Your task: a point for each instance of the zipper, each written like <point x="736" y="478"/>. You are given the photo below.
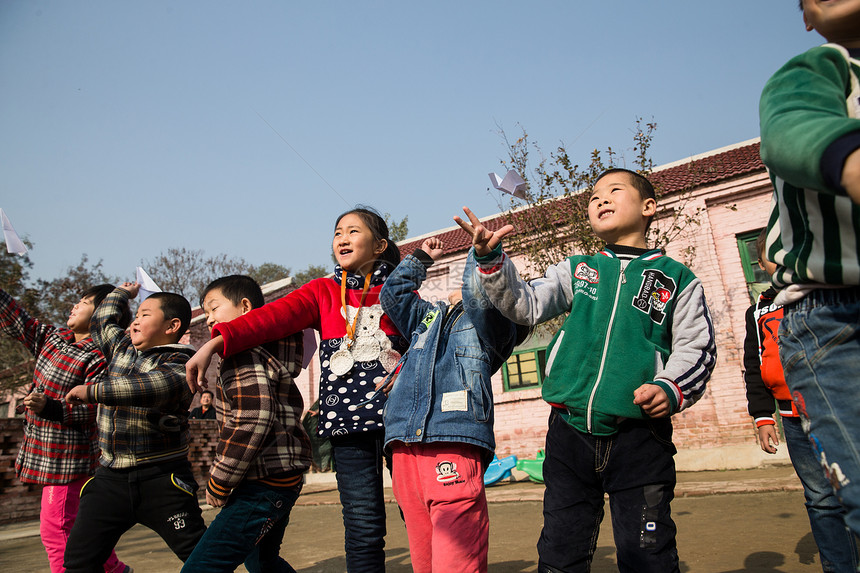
<point x="621" y="281"/>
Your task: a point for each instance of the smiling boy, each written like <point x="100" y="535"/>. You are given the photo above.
<point x="637" y="347"/>
<point x="144" y="474"/>
<point x="263" y="450"/>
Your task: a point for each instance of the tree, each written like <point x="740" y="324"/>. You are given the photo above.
<point x="58" y="296"/>
<point x="309" y="274"/>
<point x="187" y="272"/>
<point x="397" y="231"/>
<point x="268" y="273"/>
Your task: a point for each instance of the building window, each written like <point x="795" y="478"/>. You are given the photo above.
<point x="757" y="280"/>
<point x="524" y="369"/>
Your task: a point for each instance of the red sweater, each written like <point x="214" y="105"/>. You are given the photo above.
<point x="318" y="305"/>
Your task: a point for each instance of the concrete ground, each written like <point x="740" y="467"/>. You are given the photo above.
<point x="728" y="522"/>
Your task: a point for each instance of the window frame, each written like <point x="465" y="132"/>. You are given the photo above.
<point x="539" y="357"/>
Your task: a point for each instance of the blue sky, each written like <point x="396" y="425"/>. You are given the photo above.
<point x="128" y="128"/>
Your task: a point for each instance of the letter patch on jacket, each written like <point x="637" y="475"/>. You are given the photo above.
<point x="585" y="273"/>
<point x="656" y="291"/>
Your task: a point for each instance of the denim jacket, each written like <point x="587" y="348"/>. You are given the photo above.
<point x="443" y="391"/>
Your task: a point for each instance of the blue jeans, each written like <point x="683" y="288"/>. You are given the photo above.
<point x="819" y="347"/>
<point x="826" y="516"/>
<point x="636" y="468"/>
<point x="248" y="529"/>
<point x="358" y="467"/>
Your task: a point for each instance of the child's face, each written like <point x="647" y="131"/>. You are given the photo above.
<point x="355" y="248"/>
<point x="616" y="211"/>
<point x="219" y="308"/>
<point x="149" y="327"/>
<point x="80" y="316"/>
<point x="837" y="20"/>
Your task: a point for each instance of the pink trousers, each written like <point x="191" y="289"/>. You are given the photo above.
<point x="440" y="489"/>
<point x="59" y="508"/>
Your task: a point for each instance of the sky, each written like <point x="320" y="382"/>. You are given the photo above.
<point x="246" y="128"/>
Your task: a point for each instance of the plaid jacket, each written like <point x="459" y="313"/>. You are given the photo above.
<point x="259" y="411"/>
<point x="143" y="403"/>
<point x="62" y="450"/>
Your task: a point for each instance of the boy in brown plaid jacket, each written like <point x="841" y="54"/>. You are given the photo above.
<point x="263" y="449"/>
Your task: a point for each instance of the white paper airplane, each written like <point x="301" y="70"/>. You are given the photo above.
<point x="14" y="244"/>
<point x="512" y="183"/>
<point x="147" y="285"/>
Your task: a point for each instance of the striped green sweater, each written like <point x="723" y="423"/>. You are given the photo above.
<point x="810" y="114"/>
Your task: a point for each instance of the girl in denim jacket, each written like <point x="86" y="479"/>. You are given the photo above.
<point x="439" y="415"/>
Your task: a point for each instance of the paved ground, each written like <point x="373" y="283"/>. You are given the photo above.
<point x="749" y="521"/>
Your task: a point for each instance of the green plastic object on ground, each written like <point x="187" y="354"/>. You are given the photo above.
<point x="533" y="468"/>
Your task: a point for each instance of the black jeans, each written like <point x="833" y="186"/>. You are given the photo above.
<point x="161" y="497"/>
<point x="358" y="467"/>
<point x="636" y="468"/>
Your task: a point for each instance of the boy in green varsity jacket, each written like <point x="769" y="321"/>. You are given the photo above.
<point x="637" y="347"/>
<point x="144" y="474"/>
<point x="263" y="449"/>
<point x="810" y="142"/>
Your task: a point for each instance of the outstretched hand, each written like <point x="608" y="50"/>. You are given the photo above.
<point x="483" y="239"/>
<point x="77" y="395"/>
<point x="433" y="247"/>
<point x="131" y="288"/>
<point x="195" y="368"/>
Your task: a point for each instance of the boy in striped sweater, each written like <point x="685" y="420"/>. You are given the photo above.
<point x="263" y="449"/>
<point x="810" y="142"/>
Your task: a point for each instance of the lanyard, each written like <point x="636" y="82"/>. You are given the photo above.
<point x="350" y="328"/>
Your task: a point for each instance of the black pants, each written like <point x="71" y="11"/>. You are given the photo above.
<point x="636" y="468"/>
<point x="161" y="497"/>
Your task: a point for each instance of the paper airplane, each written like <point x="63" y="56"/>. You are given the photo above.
<point x="147" y="285"/>
<point x="14" y="245"/>
<point x="512" y="183"/>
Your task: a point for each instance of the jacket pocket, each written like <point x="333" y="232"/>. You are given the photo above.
<point x="474" y="376"/>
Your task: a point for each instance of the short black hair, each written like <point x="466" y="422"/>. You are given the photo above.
<point x="639" y="181"/>
<point x="235" y="288"/>
<point x="207" y="392"/>
<point x="99" y="292"/>
<point x="379" y="229"/>
<point x="761" y="244"/>
<point x="174" y="306"/>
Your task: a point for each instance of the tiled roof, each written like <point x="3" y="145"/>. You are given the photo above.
<point x="705" y="169"/>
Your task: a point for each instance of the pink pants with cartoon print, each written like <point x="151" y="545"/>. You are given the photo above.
<point x="59" y="508"/>
<point x="440" y="489"/>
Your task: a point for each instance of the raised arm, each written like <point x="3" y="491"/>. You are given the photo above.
<point x="399" y="297"/>
<point x="104" y="326"/>
<point x="16" y="323"/>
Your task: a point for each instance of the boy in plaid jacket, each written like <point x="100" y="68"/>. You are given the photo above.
<point x="263" y="449"/>
<point x="144" y="474"/>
